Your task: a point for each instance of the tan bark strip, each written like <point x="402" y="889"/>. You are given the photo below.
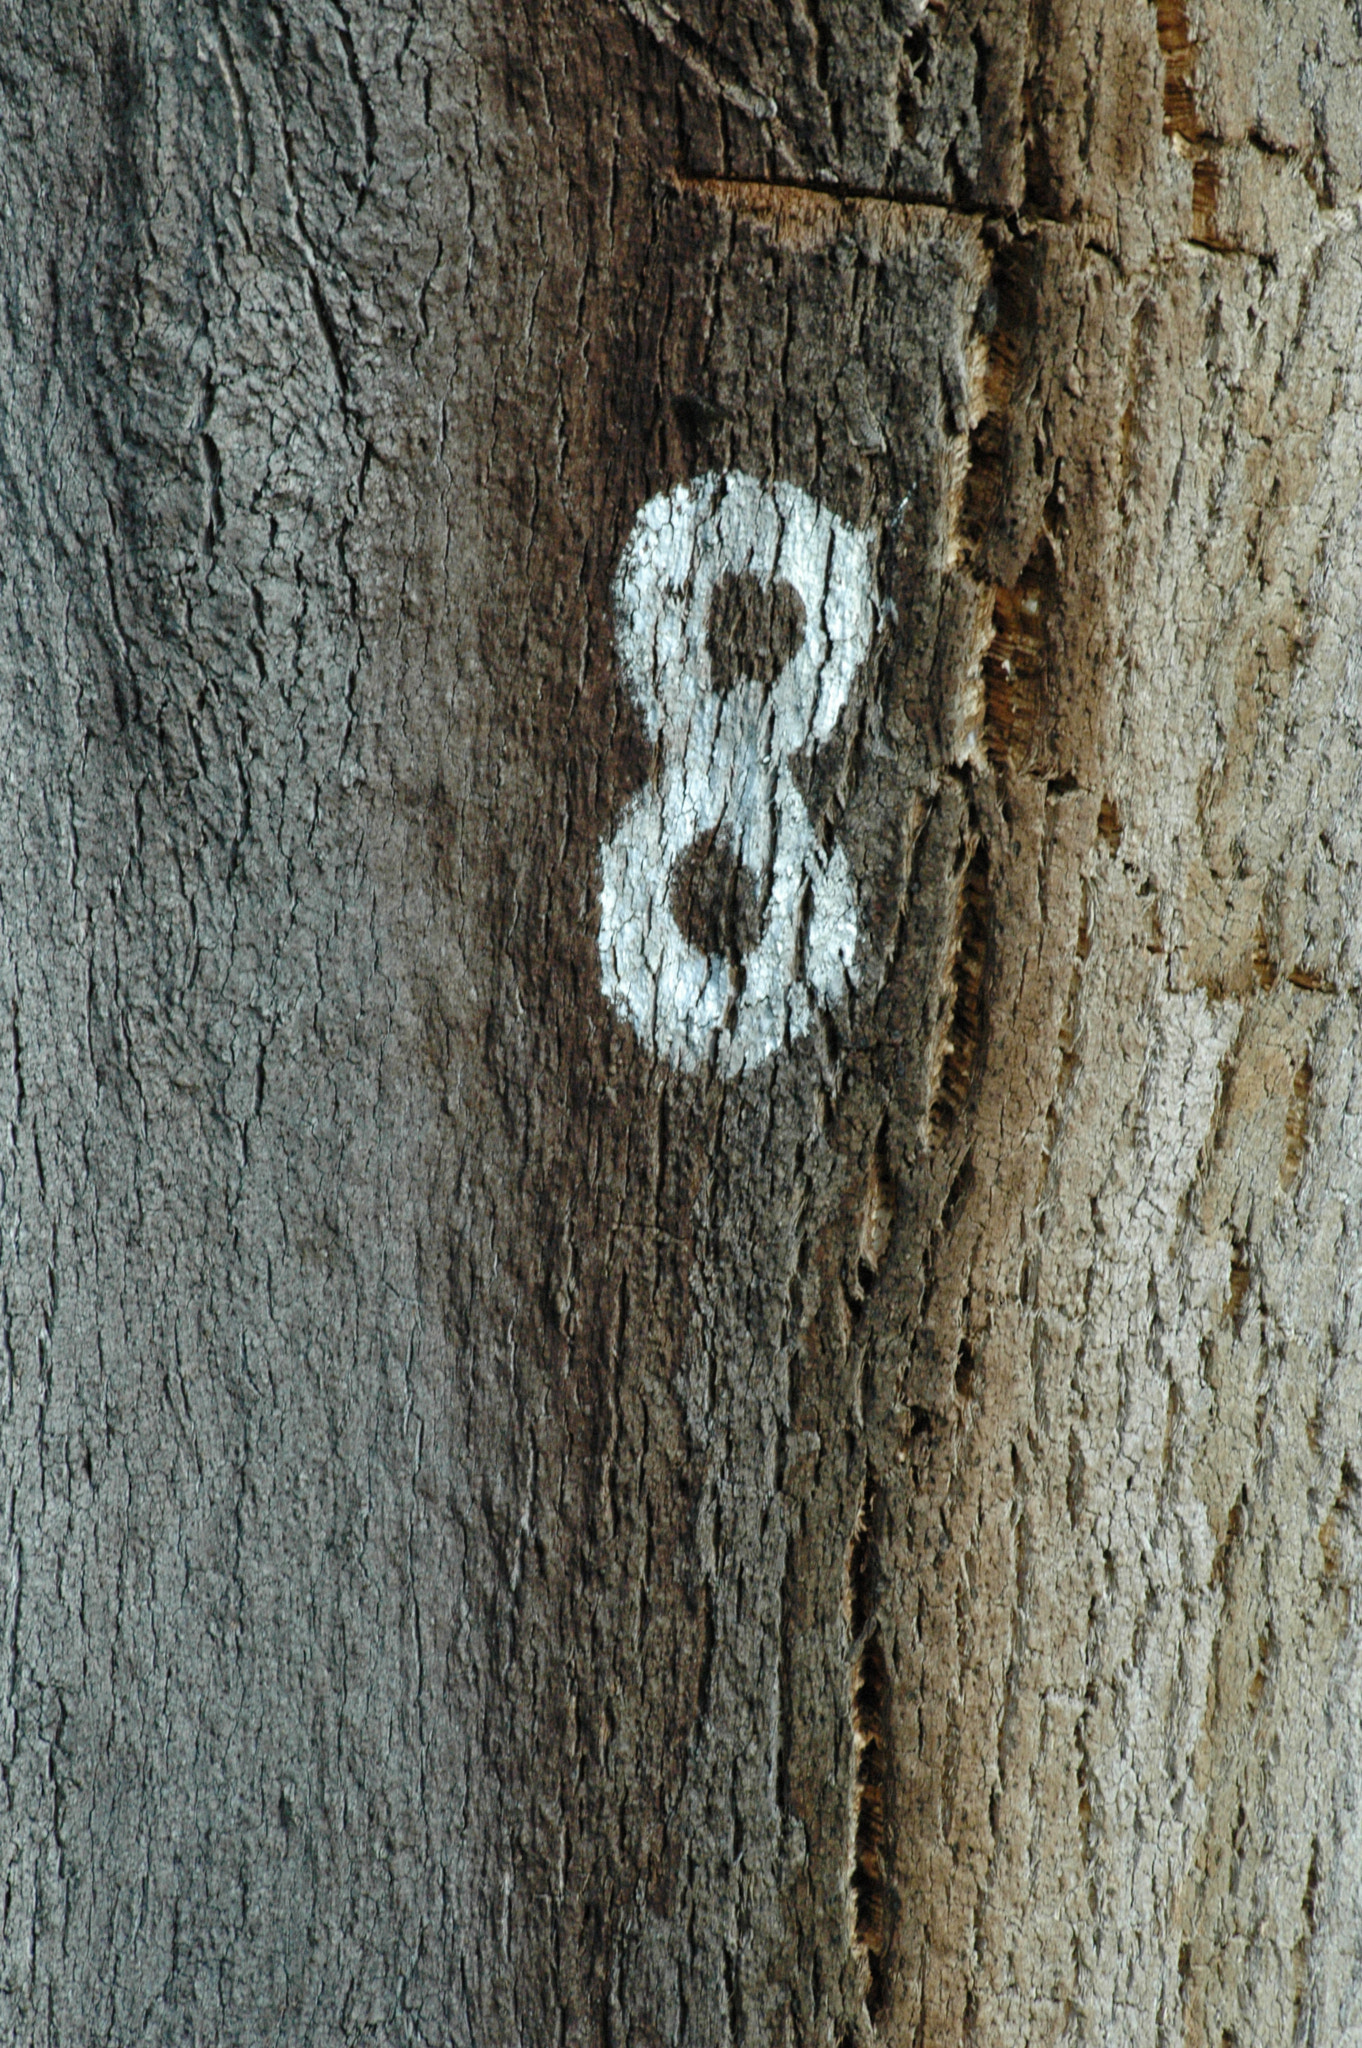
<point x="809" y="217"/>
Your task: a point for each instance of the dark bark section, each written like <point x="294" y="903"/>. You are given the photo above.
<point x="426" y="1518"/>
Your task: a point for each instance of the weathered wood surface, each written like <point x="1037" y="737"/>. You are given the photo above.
<point x="510" y="1538"/>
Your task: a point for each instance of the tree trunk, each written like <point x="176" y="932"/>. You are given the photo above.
<point x="681" y="1207"/>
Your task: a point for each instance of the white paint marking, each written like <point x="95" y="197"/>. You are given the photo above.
<point x="724" y="765"/>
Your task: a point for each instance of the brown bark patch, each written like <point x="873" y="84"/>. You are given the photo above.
<point x="1006" y="319"/>
<point x="1205" y="193"/>
<point x="870" y="1724"/>
<point x="1016" y="662"/>
<point x="1297" y="1116"/>
<point x="960" y="1050"/>
<point x="1180" y="116"/>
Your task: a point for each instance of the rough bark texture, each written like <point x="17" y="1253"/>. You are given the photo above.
<point x="510" y="1538"/>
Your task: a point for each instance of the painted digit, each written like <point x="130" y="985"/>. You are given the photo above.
<point x="725" y="737"/>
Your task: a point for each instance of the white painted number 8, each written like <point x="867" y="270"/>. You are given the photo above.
<point x="727" y="548"/>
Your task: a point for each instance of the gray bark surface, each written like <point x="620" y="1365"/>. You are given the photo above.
<point x="510" y="1539"/>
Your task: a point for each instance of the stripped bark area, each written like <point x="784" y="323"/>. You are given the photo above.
<point x="529" y="1519"/>
<point x="870" y="1719"/>
<point x="1179" y="49"/>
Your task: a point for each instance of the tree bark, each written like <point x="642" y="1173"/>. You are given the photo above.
<point x="550" y="1501"/>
